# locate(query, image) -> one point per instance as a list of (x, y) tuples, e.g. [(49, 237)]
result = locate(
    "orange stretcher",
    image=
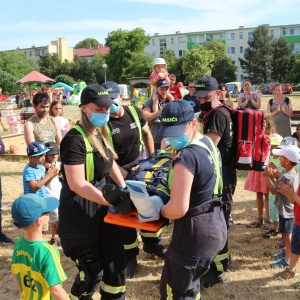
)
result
[(131, 220)]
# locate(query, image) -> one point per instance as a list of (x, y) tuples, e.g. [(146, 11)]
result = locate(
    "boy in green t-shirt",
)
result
[(36, 267)]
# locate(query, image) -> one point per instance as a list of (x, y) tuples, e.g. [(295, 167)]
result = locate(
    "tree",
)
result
[(139, 66), (50, 65), (257, 57), (83, 71), (294, 75), (65, 79), (17, 64), (97, 66), (87, 43), (8, 82), (196, 63), (123, 44), (223, 68), (282, 59)]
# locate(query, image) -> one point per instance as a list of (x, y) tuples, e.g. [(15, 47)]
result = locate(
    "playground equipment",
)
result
[(75, 89), (139, 101)]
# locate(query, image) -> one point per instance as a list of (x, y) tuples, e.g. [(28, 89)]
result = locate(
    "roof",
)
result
[(86, 52), (33, 77)]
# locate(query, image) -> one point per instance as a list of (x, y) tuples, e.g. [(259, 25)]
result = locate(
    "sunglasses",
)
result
[(192, 87)]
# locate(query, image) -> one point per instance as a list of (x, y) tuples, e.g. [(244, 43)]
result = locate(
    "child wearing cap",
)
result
[(159, 73), (36, 267), (289, 157), (53, 188), (34, 176)]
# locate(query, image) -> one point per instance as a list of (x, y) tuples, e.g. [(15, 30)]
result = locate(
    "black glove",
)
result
[(119, 199)]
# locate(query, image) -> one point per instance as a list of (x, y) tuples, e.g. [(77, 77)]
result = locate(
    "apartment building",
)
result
[(59, 46), (235, 40)]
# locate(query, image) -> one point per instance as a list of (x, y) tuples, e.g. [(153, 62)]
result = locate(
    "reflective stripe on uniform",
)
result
[(112, 289), (149, 174), (218, 261), (169, 293), (132, 246), (151, 234)]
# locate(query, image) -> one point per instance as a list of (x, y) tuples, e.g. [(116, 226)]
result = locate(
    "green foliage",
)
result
[(97, 67), (223, 68), (258, 56), (294, 75), (174, 64), (282, 59), (139, 66), (50, 65), (83, 71), (65, 79), (17, 64), (123, 44), (8, 82), (86, 43), (197, 62)]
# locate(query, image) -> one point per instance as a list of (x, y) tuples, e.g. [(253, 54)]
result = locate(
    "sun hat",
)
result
[(96, 94), (275, 139), (36, 149), (204, 85), (159, 61), (28, 208), (174, 118)]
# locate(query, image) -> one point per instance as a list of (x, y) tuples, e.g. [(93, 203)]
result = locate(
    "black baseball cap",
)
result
[(96, 94), (54, 149), (204, 85), (112, 88), (174, 118), (162, 83)]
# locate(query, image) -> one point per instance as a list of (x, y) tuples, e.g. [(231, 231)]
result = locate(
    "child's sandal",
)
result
[(286, 274), (256, 224), (280, 244), (267, 225)]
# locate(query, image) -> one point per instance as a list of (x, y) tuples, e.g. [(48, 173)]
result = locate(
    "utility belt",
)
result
[(206, 207)]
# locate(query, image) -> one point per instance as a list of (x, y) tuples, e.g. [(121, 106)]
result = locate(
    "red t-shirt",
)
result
[(175, 92), (297, 210)]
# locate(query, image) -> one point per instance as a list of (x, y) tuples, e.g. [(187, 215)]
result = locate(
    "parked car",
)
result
[(287, 88), (11, 99), (266, 89), (296, 87)]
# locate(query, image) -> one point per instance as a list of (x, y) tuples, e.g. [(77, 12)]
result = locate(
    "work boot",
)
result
[(155, 248), (130, 267), (213, 277)]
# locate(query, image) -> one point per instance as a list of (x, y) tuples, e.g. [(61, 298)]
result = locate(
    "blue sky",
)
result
[(24, 23)]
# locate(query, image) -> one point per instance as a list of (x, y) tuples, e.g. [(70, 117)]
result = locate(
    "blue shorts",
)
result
[(295, 243), (285, 225)]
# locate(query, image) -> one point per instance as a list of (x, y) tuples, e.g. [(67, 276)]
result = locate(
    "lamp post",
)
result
[(104, 67)]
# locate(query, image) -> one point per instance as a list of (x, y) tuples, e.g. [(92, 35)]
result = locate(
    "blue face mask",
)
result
[(114, 108), (179, 142), (99, 119)]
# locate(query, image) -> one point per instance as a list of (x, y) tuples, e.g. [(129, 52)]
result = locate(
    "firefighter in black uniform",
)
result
[(195, 204), (127, 129), (96, 247), (217, 125)]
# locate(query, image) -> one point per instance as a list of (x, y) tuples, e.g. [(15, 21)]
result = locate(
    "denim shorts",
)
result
[(285, 225), (295, 243)]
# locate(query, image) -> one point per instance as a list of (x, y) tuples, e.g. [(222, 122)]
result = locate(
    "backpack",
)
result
[(250, 145), (154, 171)]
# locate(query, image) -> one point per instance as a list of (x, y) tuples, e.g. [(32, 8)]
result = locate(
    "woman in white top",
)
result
[(56, 110)]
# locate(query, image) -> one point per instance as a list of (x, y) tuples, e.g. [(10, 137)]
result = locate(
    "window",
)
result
[(162, 45), (181, 40), (292, 31), (230, 36), (180, 53), (209, 38), (241, 35), (241, 49), (283, 31), (250, 35), (230, 50), (172, 40), (153, 42), (292, 46)]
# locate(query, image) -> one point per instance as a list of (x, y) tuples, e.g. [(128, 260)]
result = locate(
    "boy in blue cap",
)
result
[(36, 267)]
